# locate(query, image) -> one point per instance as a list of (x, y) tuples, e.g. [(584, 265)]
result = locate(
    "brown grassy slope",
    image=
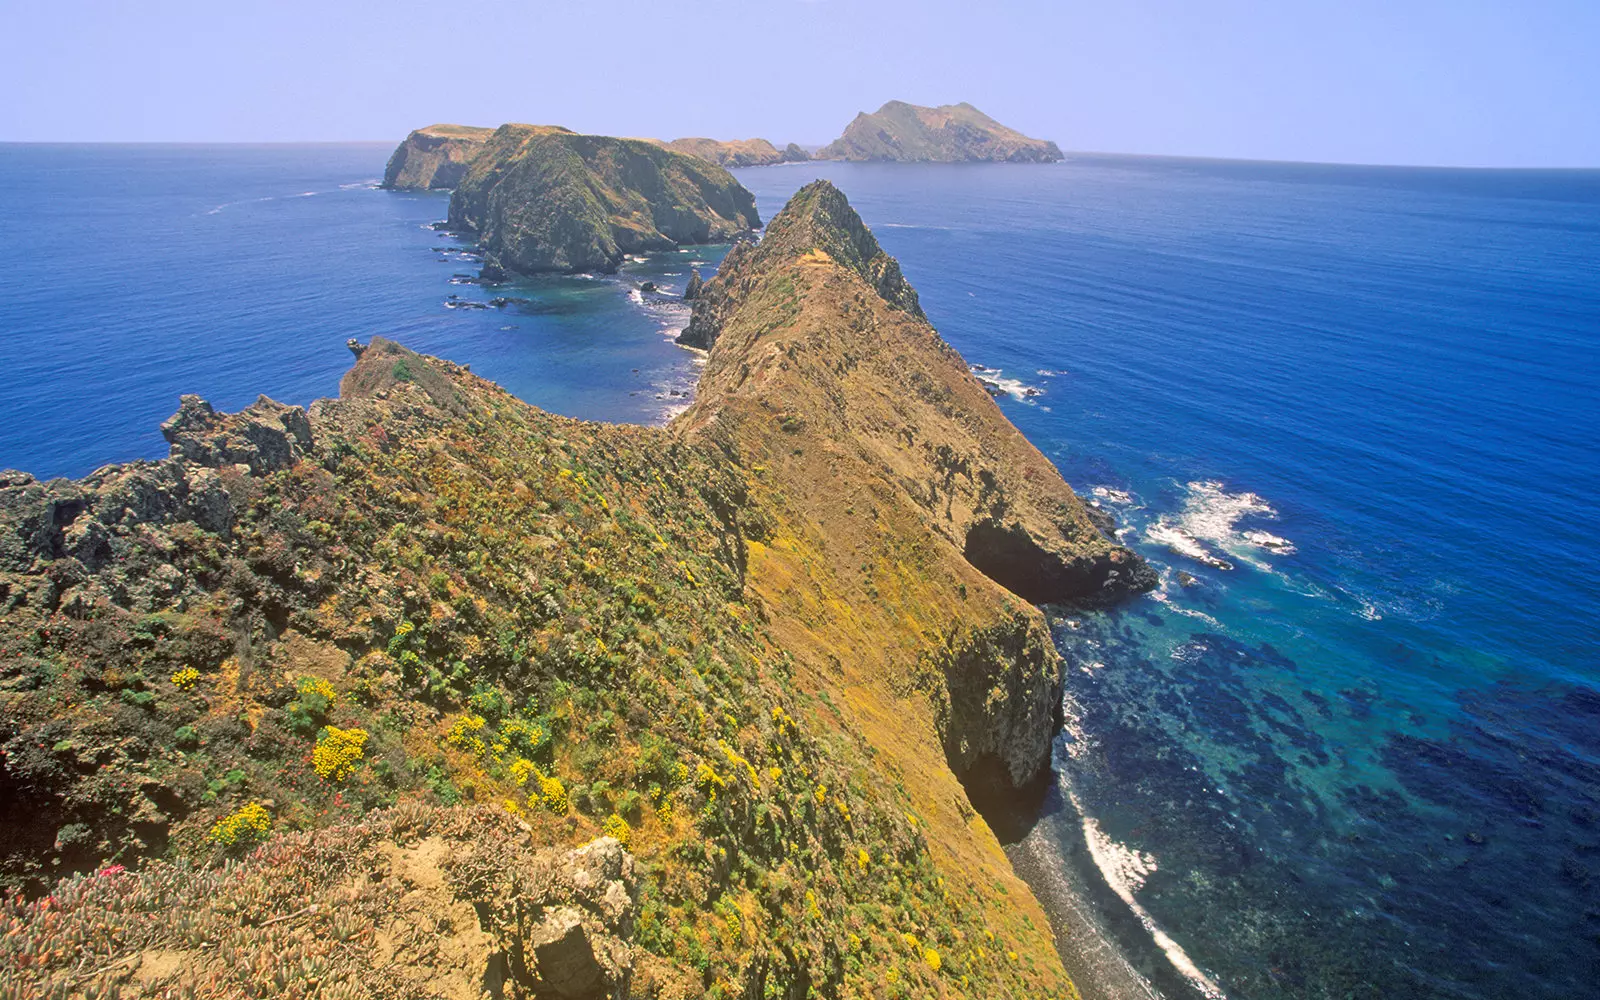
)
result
[(499, 598), (894, 484)]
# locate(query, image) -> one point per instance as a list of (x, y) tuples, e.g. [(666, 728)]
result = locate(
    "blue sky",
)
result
[(1464, 82)]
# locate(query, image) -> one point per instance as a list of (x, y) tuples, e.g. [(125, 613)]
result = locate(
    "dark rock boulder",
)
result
[(692, 290), (265, 436)]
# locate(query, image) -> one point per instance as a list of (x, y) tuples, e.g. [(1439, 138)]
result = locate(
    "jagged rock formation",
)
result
[(741, 645), (434, 157), (691, 291), (542, 198), (739, 152), (950, 133)]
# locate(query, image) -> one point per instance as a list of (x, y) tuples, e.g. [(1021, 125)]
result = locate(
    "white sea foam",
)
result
[(1125, 870), (1207, 528), (1171, 605), (997, 384), (1121, 498)]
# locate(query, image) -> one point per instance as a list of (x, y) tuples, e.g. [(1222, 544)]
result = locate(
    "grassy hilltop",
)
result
[(396, 658)]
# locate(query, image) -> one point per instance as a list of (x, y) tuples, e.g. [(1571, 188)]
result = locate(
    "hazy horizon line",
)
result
[(1068, 153)]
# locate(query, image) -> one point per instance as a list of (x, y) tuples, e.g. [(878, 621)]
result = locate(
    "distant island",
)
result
[(439, 156), (951, 133), (542, 198), (738, 152)]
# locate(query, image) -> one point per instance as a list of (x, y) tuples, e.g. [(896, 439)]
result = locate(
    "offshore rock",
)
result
[(691, 291), (543, 198), (434, 157), (951, 133)]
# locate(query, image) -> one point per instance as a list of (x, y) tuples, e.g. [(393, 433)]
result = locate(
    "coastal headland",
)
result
[(721, 708)]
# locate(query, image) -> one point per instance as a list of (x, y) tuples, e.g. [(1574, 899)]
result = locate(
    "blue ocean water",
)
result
[(1355, 411), (1351, 748), (139, 273)]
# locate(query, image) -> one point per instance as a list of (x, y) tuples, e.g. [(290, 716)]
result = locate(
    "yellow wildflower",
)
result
[(185, 679), (616, 826), (246, 825), (932, 958), (338, 752)]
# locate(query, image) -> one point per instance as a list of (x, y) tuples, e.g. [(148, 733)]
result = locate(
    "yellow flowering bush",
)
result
[(246, 825), (616, 826), (553, 794), (521, 770), (932, 958), (185, 679), (338, 752), (316, 687), (466, 733)]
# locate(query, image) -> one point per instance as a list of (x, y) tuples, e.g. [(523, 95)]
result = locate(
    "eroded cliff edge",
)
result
[(434, 157), (751, 646), (542, 198)]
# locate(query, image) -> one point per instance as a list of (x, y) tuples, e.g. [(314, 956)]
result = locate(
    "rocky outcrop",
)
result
[(739, 152), (542, 198), (951, 133), (263, 437), (566, 920), (691, 291), (434, 157)]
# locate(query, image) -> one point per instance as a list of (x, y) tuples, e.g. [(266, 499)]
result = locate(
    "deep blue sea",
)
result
[(1351, 748)]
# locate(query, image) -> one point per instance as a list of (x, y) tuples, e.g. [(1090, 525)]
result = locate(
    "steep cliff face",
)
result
[(950, 133), (434, 157), (906, 494), (543, 198), (739, 152)]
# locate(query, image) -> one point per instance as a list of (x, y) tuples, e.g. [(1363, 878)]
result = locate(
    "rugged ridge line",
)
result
[(950, 133), (542, 198), (761, 648), (738, 152), (824, 372)]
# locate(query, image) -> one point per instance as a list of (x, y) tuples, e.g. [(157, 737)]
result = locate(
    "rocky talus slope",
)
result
[(434, 157), (542, 198), (470, 698), (950, 133)]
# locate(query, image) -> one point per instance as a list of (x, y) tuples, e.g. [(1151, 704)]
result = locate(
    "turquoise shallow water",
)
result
[(1351, 748)]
